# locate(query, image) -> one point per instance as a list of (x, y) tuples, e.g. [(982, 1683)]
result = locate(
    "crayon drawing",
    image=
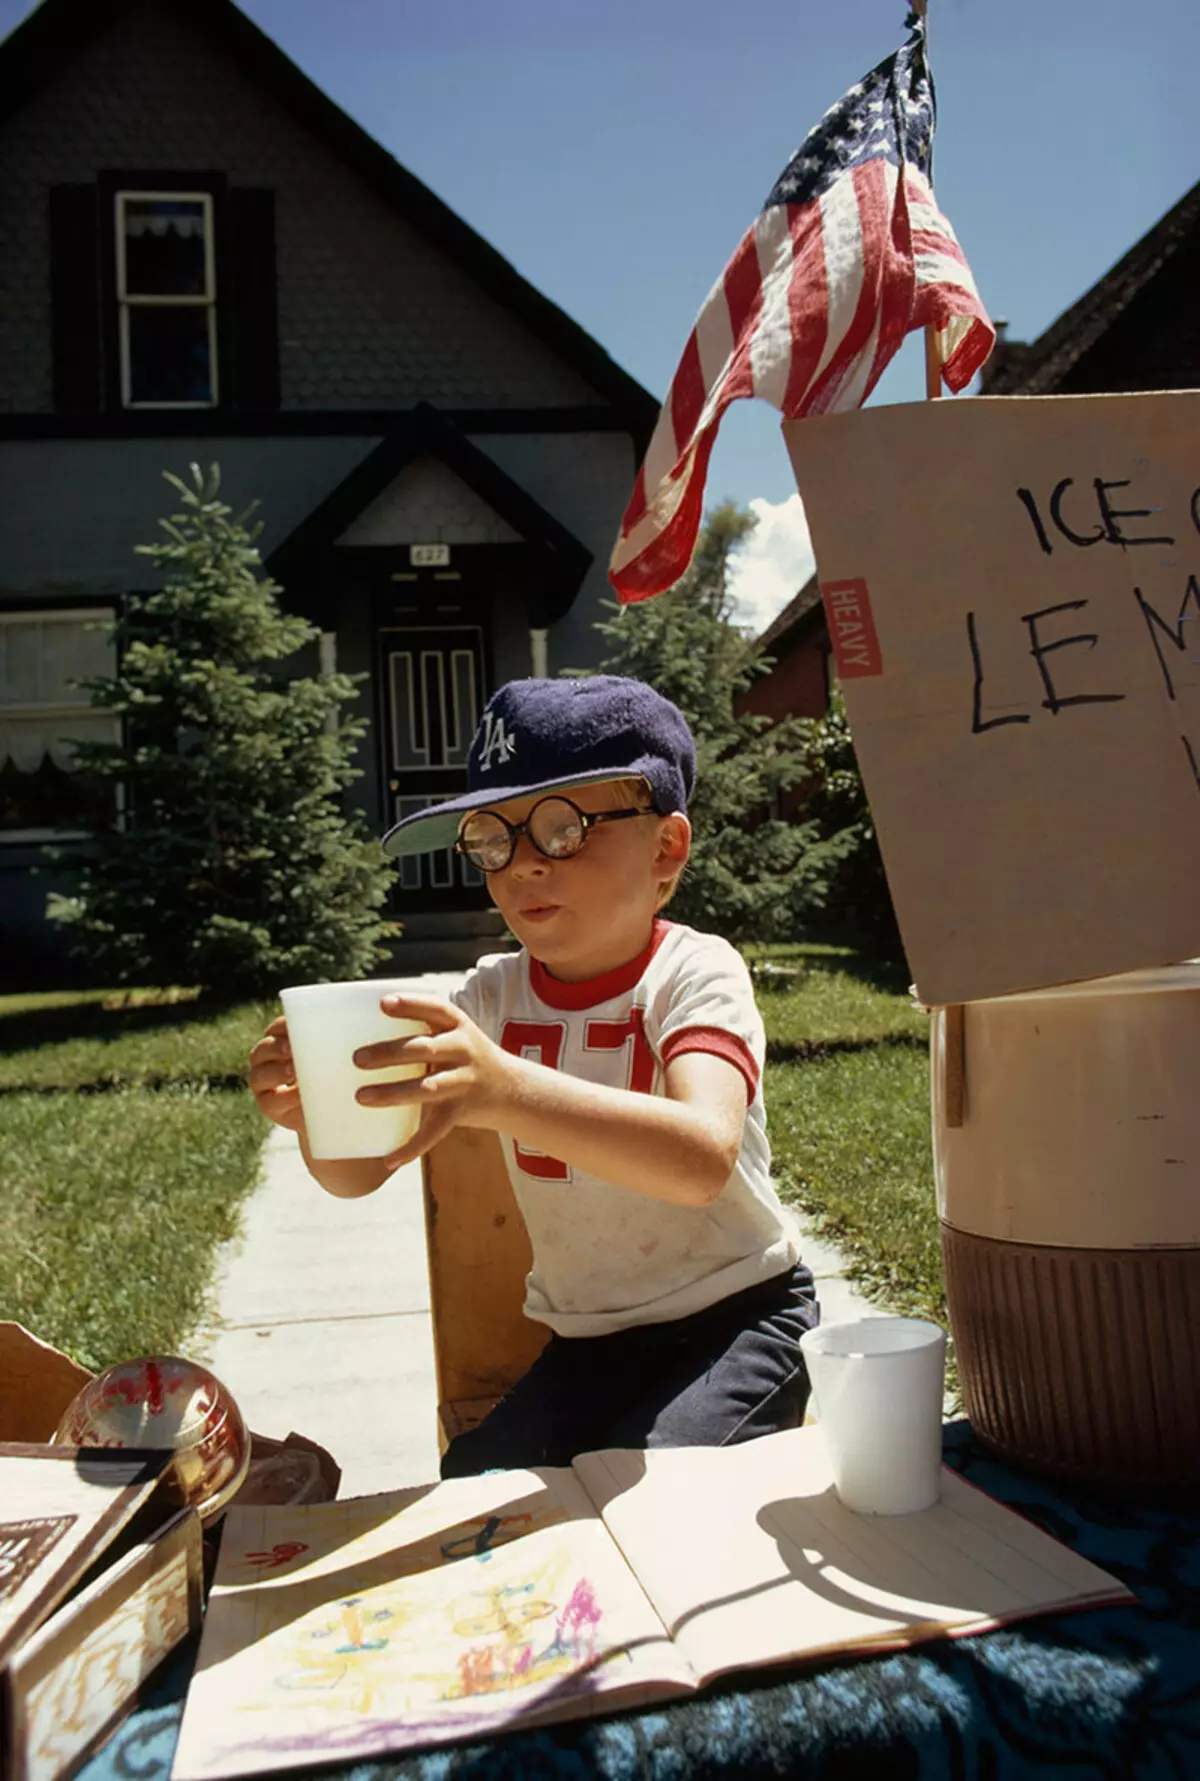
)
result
[(484, 1634), (305, 1669), (521, 1638), (71, 1703)]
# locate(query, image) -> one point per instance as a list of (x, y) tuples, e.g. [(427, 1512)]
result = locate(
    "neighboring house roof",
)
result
[(1039, 367), (566, 560), (31, 55), (784, 629)]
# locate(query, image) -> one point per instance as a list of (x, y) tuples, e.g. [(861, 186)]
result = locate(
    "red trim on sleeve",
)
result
[(718, 1043)]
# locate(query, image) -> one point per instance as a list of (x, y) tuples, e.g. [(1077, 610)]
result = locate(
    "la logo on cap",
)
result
[(497, 744)]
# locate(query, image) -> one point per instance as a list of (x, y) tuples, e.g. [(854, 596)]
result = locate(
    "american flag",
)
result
[(848, 255)]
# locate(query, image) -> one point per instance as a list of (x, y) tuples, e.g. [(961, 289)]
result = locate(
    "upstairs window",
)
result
[(167, 299), (43, 713), (163, 295)]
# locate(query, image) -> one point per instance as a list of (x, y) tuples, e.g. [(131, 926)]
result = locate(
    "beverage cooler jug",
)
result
[(1066, 1138)]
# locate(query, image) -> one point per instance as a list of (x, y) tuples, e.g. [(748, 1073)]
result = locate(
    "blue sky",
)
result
[(615, 150)]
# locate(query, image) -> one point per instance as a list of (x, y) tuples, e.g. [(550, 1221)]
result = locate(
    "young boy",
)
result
[(619, 1056)]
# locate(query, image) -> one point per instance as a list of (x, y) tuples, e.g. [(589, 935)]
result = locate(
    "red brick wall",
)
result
[(796, 685)]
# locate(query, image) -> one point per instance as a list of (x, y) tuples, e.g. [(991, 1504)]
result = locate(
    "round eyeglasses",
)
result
[(555, 826)]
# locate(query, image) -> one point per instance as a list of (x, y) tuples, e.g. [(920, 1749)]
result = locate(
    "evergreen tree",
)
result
[(229, 862), (854, 892), (751, 874)]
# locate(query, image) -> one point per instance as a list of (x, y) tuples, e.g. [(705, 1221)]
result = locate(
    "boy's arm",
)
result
[(680, 1147), (347, 1178)]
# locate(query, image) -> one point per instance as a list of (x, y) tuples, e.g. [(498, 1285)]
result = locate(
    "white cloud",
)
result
[(773, 564)]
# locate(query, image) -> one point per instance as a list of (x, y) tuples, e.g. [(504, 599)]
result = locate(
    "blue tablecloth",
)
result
[(1111, 1693)]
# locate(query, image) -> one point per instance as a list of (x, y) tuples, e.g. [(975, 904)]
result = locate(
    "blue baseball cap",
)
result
[(554, 735)]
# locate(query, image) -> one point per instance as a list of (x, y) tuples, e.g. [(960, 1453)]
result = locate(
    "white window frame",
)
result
[(127, 300), (58, 615)]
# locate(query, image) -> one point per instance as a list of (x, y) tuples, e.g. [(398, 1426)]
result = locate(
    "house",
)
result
[(202, 258), (802, 671), (797, 641)]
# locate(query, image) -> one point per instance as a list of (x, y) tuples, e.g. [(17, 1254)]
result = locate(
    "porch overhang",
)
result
[(554, 560)]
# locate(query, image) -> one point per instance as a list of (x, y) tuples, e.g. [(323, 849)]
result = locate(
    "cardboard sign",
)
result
[(1013, 593)]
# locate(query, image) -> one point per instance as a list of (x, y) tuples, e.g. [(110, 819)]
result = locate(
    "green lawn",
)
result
[(127, 1144), (93, 1039), (847, 1091)]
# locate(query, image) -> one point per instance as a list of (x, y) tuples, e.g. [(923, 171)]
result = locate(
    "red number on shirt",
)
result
[(544, 1041), (611, 1035)]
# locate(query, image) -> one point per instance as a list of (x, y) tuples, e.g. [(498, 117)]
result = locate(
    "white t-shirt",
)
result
[(606, 1257)]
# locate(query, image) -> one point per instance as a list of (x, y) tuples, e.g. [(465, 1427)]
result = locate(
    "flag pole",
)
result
[(954, 1048), (933, 366), (933, 362)]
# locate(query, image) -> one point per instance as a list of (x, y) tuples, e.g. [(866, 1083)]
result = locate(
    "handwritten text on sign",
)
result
[(1029, 726), (1113, 527)]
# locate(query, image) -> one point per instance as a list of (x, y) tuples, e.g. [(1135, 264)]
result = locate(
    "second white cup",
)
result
[(327, 1023), (878, 1384)]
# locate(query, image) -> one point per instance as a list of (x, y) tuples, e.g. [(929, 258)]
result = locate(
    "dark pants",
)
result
[(725, 1374)]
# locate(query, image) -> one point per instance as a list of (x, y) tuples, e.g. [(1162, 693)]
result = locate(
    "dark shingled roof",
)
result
[(1040, 366)]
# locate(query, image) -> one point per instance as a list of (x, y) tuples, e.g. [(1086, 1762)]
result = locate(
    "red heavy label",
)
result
[(851, 628)]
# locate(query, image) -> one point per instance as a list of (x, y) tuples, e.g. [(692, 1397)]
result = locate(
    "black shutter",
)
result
[(251, 381), (75, 298)]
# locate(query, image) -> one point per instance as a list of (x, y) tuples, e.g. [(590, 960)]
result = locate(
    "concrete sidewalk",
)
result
[(323, 1323)]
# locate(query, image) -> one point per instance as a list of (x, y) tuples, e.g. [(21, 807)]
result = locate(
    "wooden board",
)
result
[(479, 1256)]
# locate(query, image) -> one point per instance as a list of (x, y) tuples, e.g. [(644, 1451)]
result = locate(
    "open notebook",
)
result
[(344, 1630)]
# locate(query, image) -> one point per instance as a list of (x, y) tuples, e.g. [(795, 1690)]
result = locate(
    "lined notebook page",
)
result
[(750, 1558)]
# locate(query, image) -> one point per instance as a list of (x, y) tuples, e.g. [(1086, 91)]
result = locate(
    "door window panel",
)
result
[(465, 706), (433, 684)]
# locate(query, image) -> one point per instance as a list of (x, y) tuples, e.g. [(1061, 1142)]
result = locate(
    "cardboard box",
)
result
[(61, 1511), (78, 1664), (37, 1383), (72, 1681)]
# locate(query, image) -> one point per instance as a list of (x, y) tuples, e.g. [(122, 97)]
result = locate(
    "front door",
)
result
[(433, 695)]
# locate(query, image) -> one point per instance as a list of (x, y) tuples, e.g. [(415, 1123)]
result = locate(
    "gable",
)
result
[(427, 501), (385, 297), (426, 461)]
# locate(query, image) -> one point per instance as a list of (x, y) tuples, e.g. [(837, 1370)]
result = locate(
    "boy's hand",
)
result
[(273, 1079), (680, 1146), (466, 1081)]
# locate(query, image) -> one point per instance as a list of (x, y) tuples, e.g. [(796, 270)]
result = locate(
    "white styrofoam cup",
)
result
[(877, 1385), (327, 1023)]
